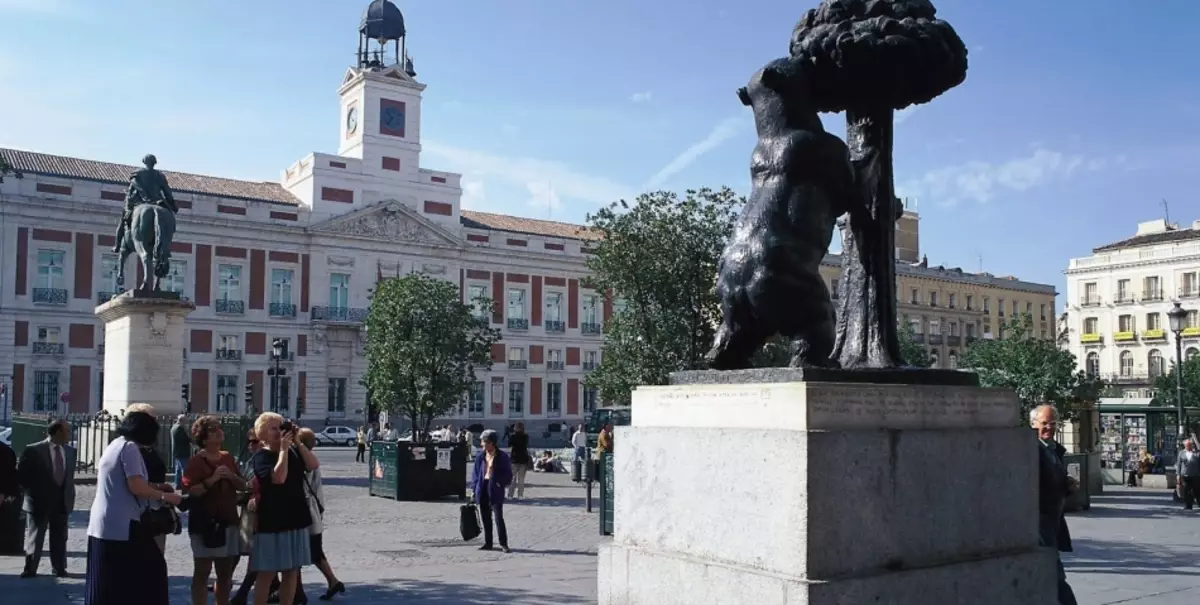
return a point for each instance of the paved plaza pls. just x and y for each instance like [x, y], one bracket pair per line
[1134, 546]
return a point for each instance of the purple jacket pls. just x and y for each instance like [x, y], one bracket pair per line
[502, 475]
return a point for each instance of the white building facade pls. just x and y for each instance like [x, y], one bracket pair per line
[295, 259]
[1118, 299]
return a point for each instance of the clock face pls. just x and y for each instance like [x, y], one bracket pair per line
[392, 118]
[352, 120]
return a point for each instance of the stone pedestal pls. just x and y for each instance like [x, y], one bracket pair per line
[776, 492]
[143, 351]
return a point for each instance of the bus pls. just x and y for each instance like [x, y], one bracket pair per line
[617, 416]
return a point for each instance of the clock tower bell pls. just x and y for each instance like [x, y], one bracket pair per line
[380, 97]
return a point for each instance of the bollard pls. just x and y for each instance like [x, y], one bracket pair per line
[588, 479]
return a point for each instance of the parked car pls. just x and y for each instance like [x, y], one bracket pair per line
[337, 435]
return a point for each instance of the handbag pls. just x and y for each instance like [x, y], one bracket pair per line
[312, 494]
[468, 522]
[160, 521]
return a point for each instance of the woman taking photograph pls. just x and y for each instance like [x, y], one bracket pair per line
[123, 563]
[281, 541]
[316, 509]
[212, 482]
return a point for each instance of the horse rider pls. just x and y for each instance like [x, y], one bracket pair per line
[146, 186]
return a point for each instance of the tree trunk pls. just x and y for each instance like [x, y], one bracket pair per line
[867, 320]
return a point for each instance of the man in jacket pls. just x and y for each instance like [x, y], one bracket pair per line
[1188, 471]
[47, 472]
[1053, 487]
[493, 473]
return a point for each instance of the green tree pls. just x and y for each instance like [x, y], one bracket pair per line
[6, 169]
[1165, 387]
[1035, 368]
[912, 353]
[659, 256]
[423, 347]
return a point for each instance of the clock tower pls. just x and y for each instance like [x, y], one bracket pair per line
[380, 109]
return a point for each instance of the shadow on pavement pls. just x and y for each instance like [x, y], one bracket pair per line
[1131, 504]
[447, 593]
[1113, 557]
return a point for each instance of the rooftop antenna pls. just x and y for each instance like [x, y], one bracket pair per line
[1166, 212]
[980, 256]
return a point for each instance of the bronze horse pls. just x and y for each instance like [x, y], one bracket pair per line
[151, 230]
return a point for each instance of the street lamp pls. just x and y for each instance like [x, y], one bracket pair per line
[279, 350]
[1178, 321]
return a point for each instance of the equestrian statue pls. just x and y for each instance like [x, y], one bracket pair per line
[147, 226]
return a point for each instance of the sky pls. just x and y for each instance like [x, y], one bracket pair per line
[1076, 121]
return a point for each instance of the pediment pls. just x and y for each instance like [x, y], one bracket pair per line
[389, 221]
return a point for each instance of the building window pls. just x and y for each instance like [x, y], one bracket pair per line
[1093, 364]
[1190, 285]
[554, 359]
[227, 394]
[516, 303]
[45, 391]
[475, 399]
[1190, 353]
[1029, 310]
[1091, 325]
[229, 283]
[50, 270]
[1154, 362]
[1125, 323]
[987, 305]
[591, 359]
[1123, 293]
[516, 398]
[1043, 311]
[227, 348]
[281, 286]
[954, 328]
[1090, 296]
[1152, 321]
[516, 358]
[1015, 312]
[1153, 290]
[591, 313]
[477, 299]
[970, 303]
[970, 330]
[915, 297]
[933, 299]
[917, 326]
[935, 327]
[554, 306]
[554, 398]
[176, 278]
[1126, 363]
[336, 405]
[1193, 319]
[339, 290]
[952, 301]
[590, 396]
[109, 269]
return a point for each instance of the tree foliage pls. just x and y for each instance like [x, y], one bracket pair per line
[423, 347]
[912, 353]
[1035, 368]
[1165, 387]
[659, 256]
[7, 169]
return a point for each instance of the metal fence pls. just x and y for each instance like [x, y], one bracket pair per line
[91, 433]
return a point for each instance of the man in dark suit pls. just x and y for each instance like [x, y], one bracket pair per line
[1053, 487]
[9, 486]
[47, 472]
[11, 538]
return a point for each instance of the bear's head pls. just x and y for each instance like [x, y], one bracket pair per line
[780, 96]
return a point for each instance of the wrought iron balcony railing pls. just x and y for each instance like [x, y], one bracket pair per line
[228, 355]
[1152, 295]
[517, 364]
[285, 310]
[103, 297]
[954, 340]
[516, 323]
[935, 339]
[47, 348]
[50, 296]
[339, 314]
[555, 326]
[918, 337]
[554, 365]
[589, 365]
[589, 328]
[1089, 301]
[231, 307]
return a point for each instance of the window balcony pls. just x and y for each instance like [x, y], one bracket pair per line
[47, 348]
[50, 296]
[103, 297]
[231, 307]
[935, 339]
[554, 365]
[1091, 338]
[1125, 336]
[954, 340]
[589, 366]
[1157, 334]
[1122, 298]
[517, 364]
[589, 328]
[1192, 292]
[1152, 295]
[1190, 332]
[1126, 377]
[556, 326]
[554, 412]
[516, 323]
[1086, 301]
[228, 355]
[918, 337]
[339, 314]
[284, 310]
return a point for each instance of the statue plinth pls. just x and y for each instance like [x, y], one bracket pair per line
[772, 489]
[143, 350]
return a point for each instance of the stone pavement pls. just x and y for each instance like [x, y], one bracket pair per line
[387, 551]
[1134, 546]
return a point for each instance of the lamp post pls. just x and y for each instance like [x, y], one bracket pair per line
[1178, 321]
[279, 350]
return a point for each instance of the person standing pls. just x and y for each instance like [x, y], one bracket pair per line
[212, 479]
[519, 443]
[316, 510]
[47, 472]
[181, 448]
[579, 442]
[281, 540]
[1188, 471]
[361, 456]
[1054, 485]
[490, 476]
[123, 564]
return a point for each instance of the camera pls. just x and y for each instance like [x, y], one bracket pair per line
[287, 427]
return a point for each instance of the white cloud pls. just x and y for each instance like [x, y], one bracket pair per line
[640, 97]
[568, 183]
[724, 131]
[982, 181]
[473, 195]
[543, 197]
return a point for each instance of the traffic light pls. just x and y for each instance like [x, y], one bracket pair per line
[249, 397]
[185, 392]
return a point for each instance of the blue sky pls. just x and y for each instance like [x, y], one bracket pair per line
[1076, 120]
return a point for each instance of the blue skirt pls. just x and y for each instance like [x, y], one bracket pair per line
[121, 572]
[281, 551]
